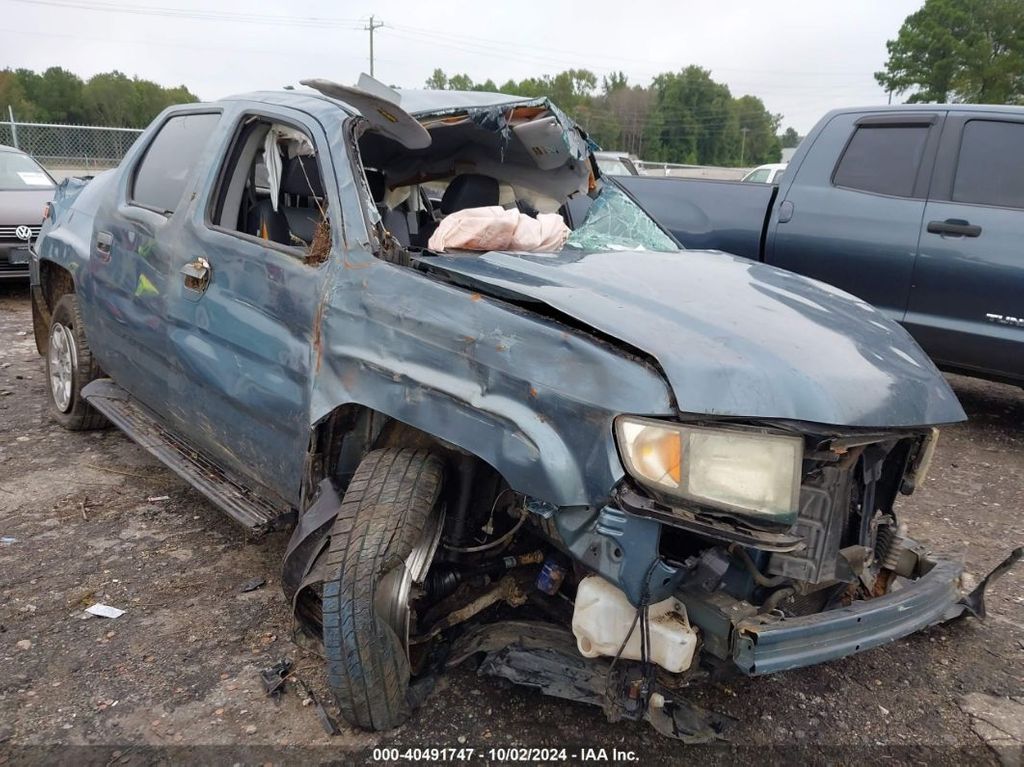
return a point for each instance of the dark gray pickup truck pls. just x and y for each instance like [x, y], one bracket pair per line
[918, 210]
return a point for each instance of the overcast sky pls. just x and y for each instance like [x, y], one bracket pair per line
[802, 57]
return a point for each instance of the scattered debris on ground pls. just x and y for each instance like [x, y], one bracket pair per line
[274, 678]
[252, 584]
[104, 611]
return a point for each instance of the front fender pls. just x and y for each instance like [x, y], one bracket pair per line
[532, 397]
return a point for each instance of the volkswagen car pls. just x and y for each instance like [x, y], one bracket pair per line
[25, 188]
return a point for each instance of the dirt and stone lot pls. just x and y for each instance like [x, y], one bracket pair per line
[90, 517]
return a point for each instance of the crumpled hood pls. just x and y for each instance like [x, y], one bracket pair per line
[734, 337]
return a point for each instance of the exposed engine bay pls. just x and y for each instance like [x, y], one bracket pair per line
[544, 603]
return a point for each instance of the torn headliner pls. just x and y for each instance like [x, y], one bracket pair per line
[416, 102]
[483, 139]
[486, 110]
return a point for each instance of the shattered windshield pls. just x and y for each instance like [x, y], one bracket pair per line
[615, 222]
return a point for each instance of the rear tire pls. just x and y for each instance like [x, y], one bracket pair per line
[69, 367]
[389, 511]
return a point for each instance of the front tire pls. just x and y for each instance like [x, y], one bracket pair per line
[69, 367]
[384, 535]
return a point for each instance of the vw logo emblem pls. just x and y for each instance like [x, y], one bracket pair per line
[23, 233]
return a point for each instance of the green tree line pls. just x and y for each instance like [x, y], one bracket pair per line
[680, 117]
[111, 98]
[961, 51]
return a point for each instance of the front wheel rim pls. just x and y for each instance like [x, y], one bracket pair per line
[61, 358]
[393, 592]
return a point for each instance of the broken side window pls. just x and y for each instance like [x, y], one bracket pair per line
[615, 222]
[272, 188]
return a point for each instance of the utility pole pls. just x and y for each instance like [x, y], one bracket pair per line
[370, 29]
[743, 144]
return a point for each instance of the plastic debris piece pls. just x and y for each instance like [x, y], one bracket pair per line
[7, 540]
[155, 498]
[274, 678]
[104, 611]
[252, 584]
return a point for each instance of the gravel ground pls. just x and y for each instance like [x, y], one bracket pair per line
[94, 518]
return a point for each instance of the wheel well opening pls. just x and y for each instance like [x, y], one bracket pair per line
[55, 282]
[341, 440]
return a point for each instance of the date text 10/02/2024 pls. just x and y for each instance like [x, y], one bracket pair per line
[503, 754]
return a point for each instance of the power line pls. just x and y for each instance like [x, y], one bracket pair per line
[478, 47]
[517, 47]
[480, 50]
[424, 37]
[485, 45]
[474, 45]
[178, 44]
[200, 15]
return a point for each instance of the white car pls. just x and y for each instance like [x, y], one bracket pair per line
[616, 163]
[766, 174]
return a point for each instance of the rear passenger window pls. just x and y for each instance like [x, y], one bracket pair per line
[990, 170]
[883, 159]
[167, 164]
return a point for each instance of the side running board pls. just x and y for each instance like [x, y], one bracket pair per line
[230, 493]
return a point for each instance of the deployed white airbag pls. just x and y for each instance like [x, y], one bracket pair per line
[494, 228]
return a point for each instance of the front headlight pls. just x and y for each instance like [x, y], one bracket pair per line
[745, 472]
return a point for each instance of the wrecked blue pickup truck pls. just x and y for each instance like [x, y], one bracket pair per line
[589, 462]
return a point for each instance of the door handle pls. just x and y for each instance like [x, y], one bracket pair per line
[954, 226]
[104, 241]
[196, 274]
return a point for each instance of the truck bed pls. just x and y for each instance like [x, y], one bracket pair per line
[707, 214]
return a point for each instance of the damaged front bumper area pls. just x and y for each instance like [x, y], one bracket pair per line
[765, 644]
[844, 577]
[545, 657]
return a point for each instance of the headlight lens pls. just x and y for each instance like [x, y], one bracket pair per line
[745, 472]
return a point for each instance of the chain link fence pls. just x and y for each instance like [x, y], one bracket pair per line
[651, 168]
[69, 148]
[75, 149]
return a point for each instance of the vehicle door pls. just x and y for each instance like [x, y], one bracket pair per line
[967, 304]
[854, 221]
[123, 291]
[246, 294]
